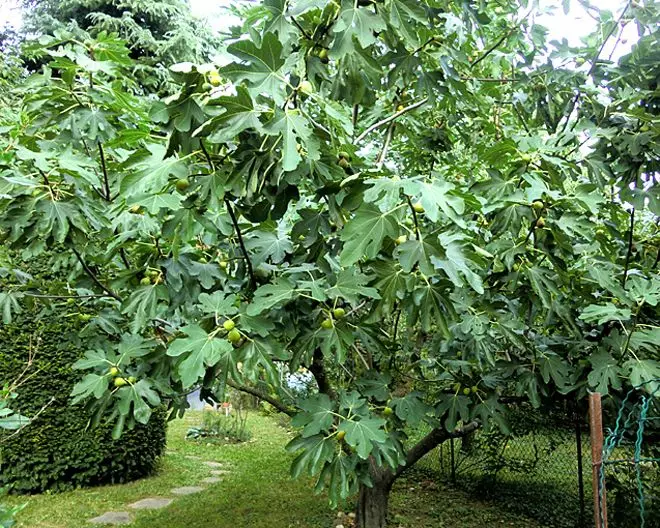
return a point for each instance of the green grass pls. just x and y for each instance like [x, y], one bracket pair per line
[258, 493]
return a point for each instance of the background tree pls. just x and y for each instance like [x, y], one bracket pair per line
[158, 33]
[421, 204]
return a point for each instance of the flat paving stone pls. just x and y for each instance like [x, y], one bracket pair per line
[187, 490]
[115, 518]
[211, 480]
[152, 503]
[218, 472]
[193, 457]
[214, 464]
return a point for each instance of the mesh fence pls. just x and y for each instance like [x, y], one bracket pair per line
[543, 470]
[630, 474]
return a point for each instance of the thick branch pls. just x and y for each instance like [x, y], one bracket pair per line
[317, 368]
[389, 119]
[92, 276]
[431, 441]
[263, 396]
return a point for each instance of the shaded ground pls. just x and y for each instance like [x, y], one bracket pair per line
[256, 493]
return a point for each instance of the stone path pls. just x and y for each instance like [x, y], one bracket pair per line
[155, 503]
[187, 490]
[112, 518]
[152, 503]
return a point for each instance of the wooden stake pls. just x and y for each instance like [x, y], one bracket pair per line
[596, 429]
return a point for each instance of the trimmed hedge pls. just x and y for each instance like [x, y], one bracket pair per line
[58, 450]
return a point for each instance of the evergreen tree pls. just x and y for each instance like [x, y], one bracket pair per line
[159, 33]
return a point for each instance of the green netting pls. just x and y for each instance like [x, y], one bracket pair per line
[635, 413]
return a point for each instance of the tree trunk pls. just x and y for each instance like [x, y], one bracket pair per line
[372, 502]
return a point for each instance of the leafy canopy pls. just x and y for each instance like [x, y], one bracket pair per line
[427, 206]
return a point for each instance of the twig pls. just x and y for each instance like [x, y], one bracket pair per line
[629, 252]
[491, 79]
[302, 29]
[263, 396]
[124, 258]
[414, 213]
[248, 262]
[389, 119]
[44, 296]
[104, 168]
[386, 145]
[593, 64]
[493, 47]
[29, 420]
[94, 278]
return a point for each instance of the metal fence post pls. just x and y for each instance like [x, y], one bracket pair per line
[578, 443]
[596, 430]
[453, 461]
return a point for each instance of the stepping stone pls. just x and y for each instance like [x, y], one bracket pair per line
[193, 457]
[214, 464]
[218, 472]
[112, 518]
[154, 503]
[211, 480]
[187, 490]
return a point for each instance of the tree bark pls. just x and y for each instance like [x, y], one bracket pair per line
[371, 511]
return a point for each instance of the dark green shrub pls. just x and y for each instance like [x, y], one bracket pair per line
[59, 450]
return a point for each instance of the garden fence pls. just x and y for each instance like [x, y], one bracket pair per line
[544, 469]
[627, 471]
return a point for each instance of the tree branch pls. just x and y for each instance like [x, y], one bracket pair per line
[104, 168]
[629, 252]
[431, 441]
[593, 64]
[263, 396]
[494, 46]
[386, 145]
[389, 119]
[248, 262]
[317, 369]
[234, 221]
[94, 278]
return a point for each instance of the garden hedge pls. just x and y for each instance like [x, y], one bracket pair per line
[59, 450]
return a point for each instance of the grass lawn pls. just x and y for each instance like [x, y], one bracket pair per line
[258, 493]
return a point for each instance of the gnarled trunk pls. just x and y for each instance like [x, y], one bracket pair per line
[372, 502]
